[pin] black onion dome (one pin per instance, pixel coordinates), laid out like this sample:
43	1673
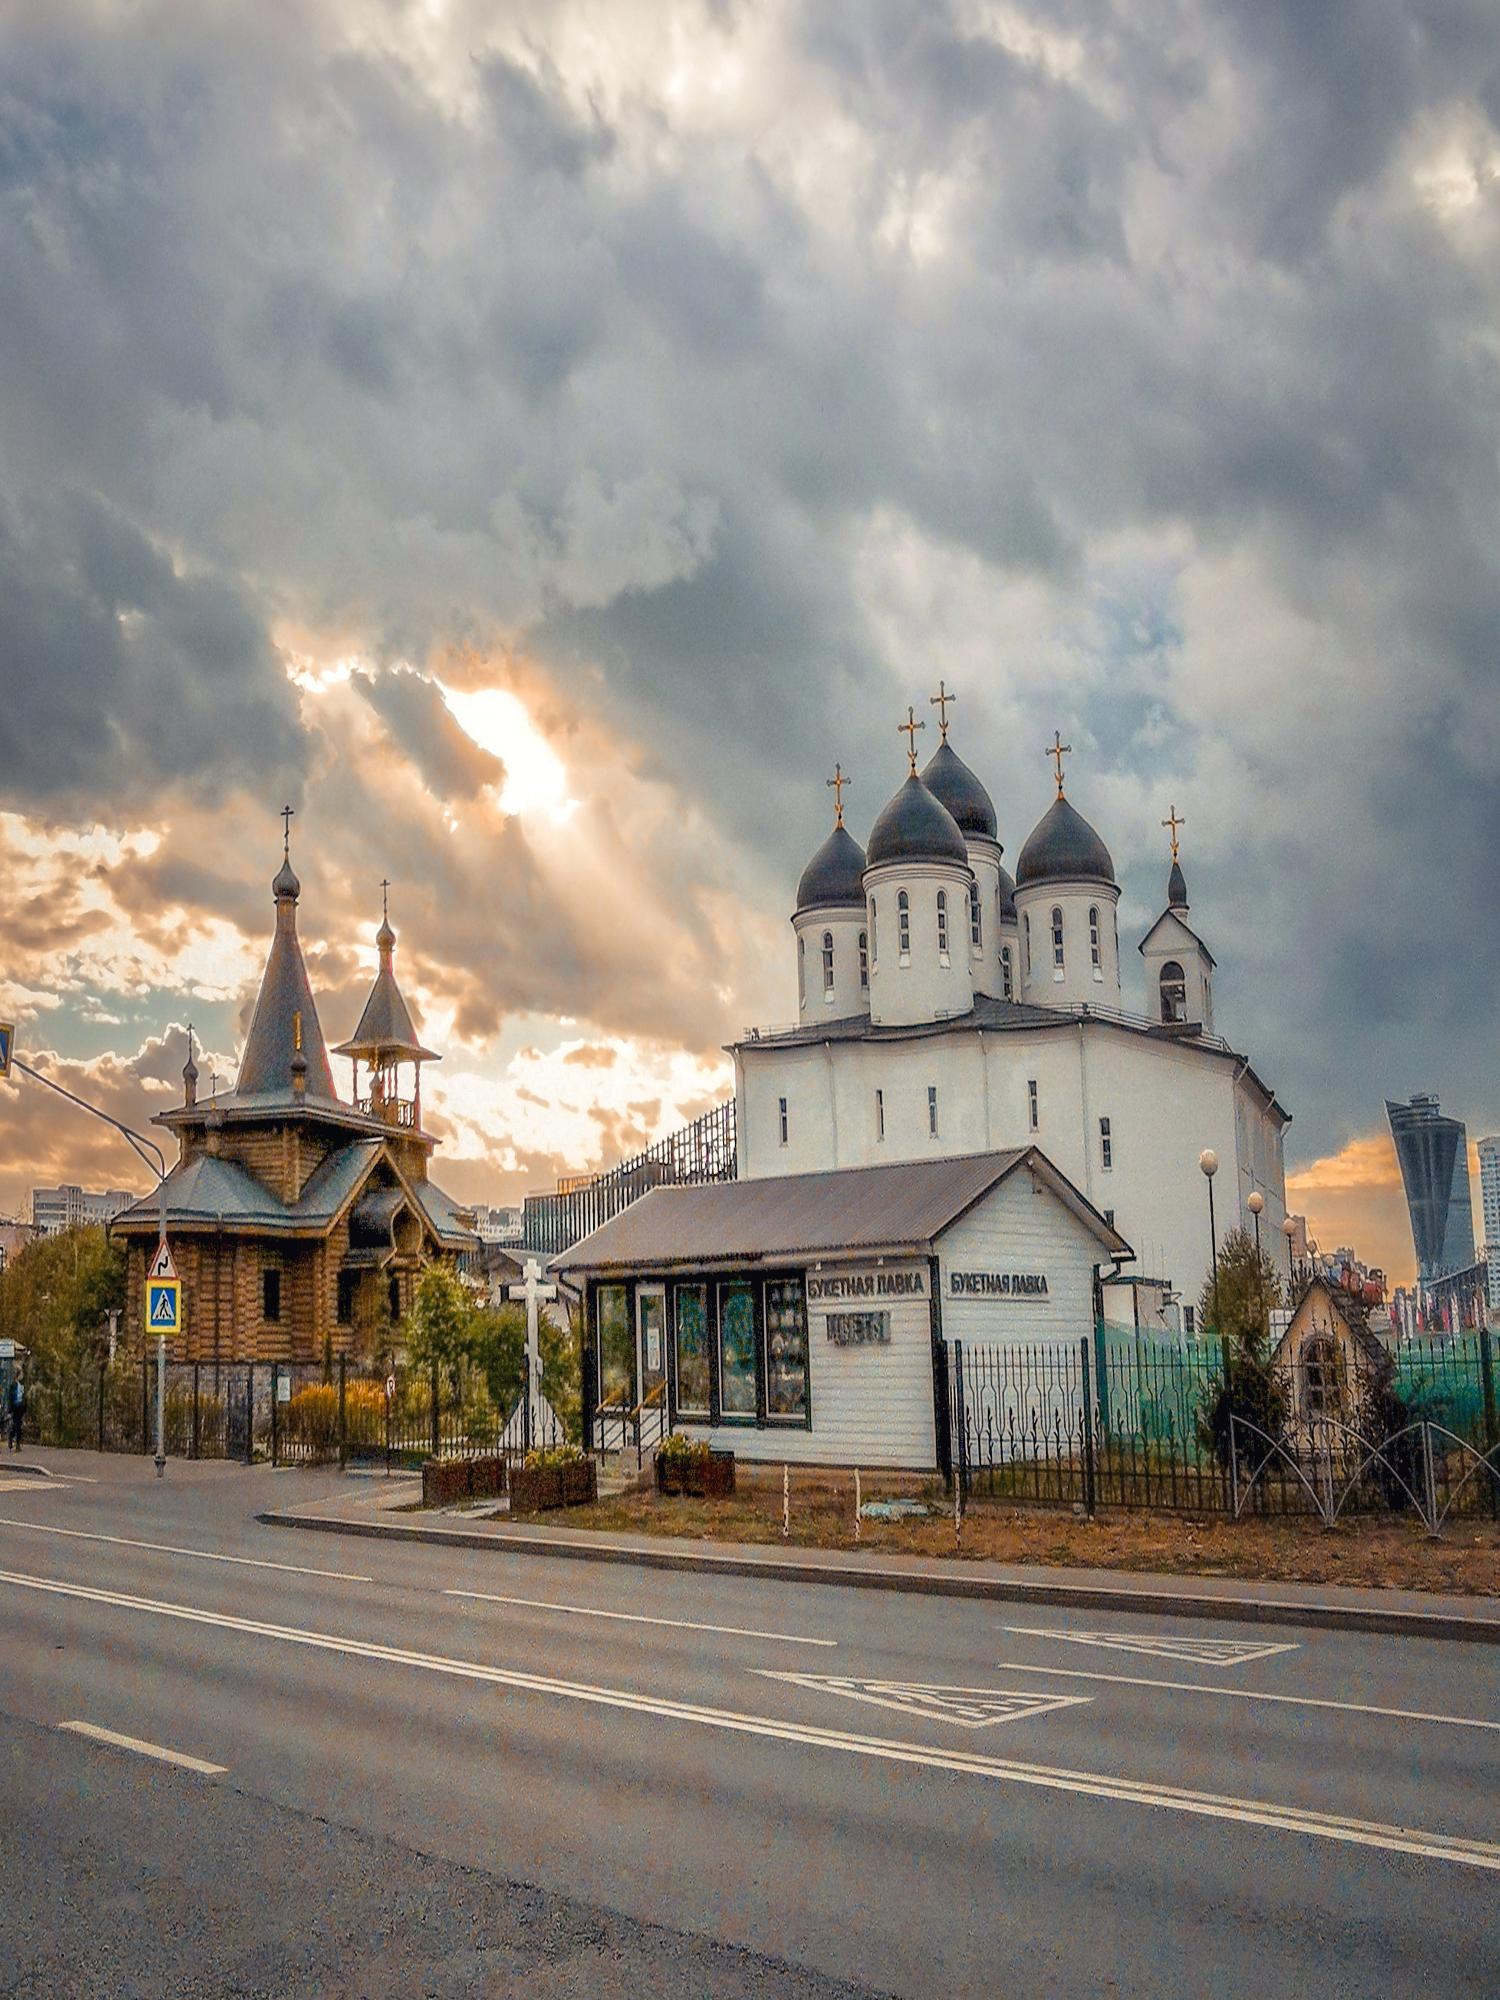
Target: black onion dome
954	785
915	826
1063	847
834	877
1007	897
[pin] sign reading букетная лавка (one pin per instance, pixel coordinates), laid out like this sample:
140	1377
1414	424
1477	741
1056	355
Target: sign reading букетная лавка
998	1285
826	1288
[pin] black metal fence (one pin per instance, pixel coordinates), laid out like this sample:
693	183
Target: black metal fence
284	1412
706	1150
1112	1420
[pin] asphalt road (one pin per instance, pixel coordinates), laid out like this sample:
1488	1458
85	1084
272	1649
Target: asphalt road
721	1787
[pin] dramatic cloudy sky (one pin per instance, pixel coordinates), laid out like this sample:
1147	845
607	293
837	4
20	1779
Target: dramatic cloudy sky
535	441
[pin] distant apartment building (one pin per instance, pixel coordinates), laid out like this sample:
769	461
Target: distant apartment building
1433	1153
1489	1203
14	1236
497	1225
54	1209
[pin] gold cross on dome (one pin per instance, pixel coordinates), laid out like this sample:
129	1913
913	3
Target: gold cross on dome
1057	750
1174	826
942	701
909	729
288	814
836	784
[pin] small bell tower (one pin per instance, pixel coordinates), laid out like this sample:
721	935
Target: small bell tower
386	1040
1179	965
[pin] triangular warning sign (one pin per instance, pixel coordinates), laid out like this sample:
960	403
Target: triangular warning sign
1169	1646
162	1265
969	1708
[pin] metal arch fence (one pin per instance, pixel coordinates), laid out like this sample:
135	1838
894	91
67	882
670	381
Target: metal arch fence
1115	1420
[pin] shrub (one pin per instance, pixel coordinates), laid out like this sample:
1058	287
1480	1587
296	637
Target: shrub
312	1416
553	1458
679	1450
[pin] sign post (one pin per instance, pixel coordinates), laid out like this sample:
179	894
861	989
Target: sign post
533	1291
163	1317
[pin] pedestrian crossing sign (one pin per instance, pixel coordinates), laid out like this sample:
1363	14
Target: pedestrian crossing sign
7	1043
164	1305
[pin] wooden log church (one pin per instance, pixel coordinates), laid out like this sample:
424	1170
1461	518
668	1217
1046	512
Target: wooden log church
299	1221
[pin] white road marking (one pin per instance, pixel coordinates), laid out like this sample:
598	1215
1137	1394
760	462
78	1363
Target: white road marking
9	1483
1251	1694
171	1549
970	1708
1200	1652
156	1750
640	1618
1086	1784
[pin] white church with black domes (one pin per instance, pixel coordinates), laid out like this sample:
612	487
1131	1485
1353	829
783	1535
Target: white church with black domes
947	1009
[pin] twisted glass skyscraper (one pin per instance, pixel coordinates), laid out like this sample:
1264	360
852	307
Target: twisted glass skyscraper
1434	1155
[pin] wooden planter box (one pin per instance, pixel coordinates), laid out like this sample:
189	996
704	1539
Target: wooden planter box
448	1482
554	1486
695	1479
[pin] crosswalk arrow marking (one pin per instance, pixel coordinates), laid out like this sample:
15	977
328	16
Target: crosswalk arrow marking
1201	1652
968	1708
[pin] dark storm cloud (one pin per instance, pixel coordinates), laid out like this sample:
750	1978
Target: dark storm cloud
420	721
922	344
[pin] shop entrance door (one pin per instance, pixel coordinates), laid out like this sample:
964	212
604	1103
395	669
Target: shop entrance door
651	1351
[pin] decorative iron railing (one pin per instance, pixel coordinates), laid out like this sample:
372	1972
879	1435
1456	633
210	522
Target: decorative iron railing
703	1151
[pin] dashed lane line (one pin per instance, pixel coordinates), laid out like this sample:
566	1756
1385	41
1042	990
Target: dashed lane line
143	1749
1468	1853
640	1618
1251	1694
172	1549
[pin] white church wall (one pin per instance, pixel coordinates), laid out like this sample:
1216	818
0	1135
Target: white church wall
847	994
984	862
1079	981
922	983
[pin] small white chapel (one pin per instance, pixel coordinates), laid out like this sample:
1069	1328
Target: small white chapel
947	1008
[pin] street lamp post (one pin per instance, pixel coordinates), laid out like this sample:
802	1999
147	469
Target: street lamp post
1289	1230
1255	1204
1208	1166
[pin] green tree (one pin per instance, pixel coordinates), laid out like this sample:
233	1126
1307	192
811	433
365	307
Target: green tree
56	1296
558	1341
1237	1304
438	1325
497	1348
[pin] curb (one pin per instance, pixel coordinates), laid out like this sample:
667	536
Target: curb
1483	1631
33	1471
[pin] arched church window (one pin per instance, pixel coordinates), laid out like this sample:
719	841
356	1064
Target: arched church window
864	961
1320	1378
1026	940
942	915
802	972
976	920
903	923
1057	939
874	945
1007	979
1094	958
828	961
1173	992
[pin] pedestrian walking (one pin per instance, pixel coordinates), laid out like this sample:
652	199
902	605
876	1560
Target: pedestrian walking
15	1411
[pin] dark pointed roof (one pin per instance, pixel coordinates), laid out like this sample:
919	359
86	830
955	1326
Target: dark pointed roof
285	1002
954	785
1063	847
386	1027
1176	887
835	875
915	826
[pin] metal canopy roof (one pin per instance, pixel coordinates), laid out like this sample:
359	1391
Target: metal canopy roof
902	1206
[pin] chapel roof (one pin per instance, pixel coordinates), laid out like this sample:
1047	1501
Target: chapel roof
386	1027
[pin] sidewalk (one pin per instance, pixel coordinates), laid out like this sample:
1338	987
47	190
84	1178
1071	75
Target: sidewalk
1416	1614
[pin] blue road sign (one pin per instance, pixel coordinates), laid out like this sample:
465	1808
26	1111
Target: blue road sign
7	1044
163	1306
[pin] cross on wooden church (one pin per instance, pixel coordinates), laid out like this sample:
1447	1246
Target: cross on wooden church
288	814
909	729
836	785
942	701
1174	826
1057	750
535	1293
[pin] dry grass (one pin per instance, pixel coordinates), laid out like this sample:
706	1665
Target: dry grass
1389	1554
